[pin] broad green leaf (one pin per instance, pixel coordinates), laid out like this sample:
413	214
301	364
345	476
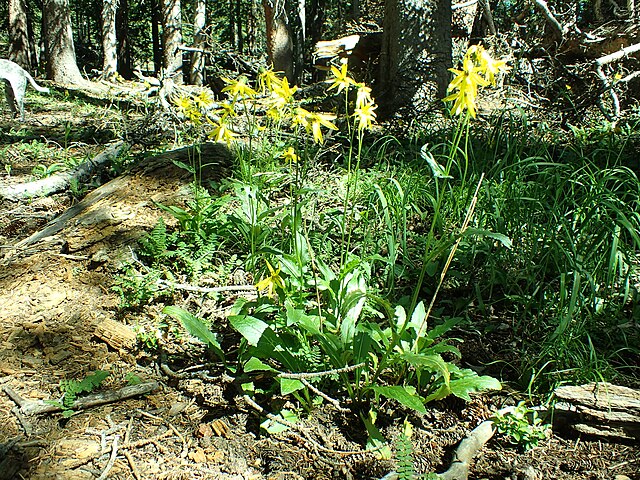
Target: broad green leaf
418	316
273	426
256	365
461	387
376	440
433	363
196	327
249	327
403	395
442	392
290	385
481	232
437	170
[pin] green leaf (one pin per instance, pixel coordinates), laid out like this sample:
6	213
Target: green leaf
433	363
437	170
256	365
461	387
196	327
290	385
481	232
403	395
376	440
249	327
273	426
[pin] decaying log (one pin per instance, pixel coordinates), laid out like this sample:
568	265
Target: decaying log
62	181
599	409
37	407
116	334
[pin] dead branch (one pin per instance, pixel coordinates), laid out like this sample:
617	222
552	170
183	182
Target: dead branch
607	84
553	21
62	181
32	407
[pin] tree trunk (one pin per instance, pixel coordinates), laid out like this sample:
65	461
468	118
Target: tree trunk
314	22
109	39
197	58
279	41
19	46
155	37
122	33
416	53
58	41
171	40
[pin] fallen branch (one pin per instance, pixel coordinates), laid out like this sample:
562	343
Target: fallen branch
607	84
62	181
558	31
32	407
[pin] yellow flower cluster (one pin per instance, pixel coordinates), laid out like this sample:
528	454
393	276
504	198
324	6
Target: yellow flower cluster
479	69
364	113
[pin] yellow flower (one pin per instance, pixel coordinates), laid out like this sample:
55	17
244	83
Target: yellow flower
466	82
491	67
184	104
284	91
363	96
227	110
318	120
365	115
270	282
268	80
203	99
238	88
341	79
290	155
301	117
221	133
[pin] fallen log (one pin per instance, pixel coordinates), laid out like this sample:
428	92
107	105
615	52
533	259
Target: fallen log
62	181
600	409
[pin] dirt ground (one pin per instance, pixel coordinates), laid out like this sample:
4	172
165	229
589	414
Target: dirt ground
59	319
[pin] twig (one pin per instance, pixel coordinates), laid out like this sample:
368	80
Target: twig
195	288
301	433
30	407
298	376
320	393
553	21
112	459
601	62
132	465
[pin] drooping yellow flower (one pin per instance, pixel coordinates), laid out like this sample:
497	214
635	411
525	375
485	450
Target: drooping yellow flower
365	115
221	133
183	104
284	91
188	108
226	110
301	117
268	80
290	155
319	120
203	99
238	88
273	280
466	81
341	78
363	96
489	66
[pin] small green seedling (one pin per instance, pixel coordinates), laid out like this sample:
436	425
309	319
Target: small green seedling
72	388
522	426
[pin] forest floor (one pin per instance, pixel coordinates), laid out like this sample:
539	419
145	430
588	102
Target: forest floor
57	308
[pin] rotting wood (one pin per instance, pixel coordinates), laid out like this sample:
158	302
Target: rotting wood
116	334
61	182
599	409
33	407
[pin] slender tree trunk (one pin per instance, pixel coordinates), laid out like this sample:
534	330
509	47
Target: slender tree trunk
197	58
59	48
122	34
109	39
239	22
279	41
19	45
416	53
171	40
156	18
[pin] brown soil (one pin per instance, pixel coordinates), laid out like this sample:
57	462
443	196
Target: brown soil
55	296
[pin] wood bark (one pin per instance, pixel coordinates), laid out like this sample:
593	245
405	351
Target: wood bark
124	46
109	40
415	55
59	47
197	57
156	19
19	45
61	182
599	409
279	39
171	40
